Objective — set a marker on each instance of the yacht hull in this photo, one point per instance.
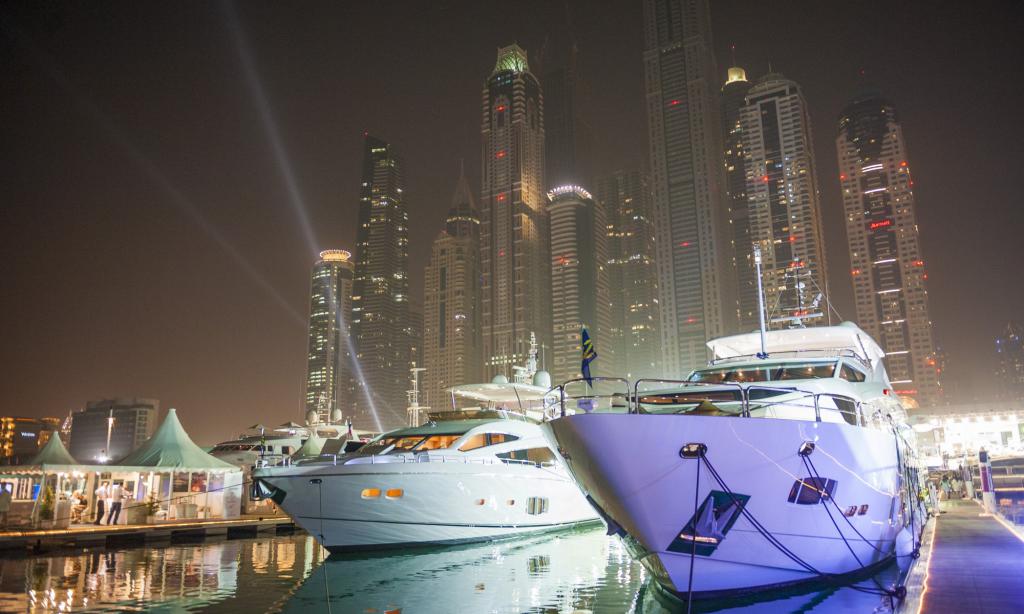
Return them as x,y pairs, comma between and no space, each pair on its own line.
650,493
389,505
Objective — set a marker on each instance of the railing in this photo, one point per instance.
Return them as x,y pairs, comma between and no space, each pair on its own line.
603,395
385,459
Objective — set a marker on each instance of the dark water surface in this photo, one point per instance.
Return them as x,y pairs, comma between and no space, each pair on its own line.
582,571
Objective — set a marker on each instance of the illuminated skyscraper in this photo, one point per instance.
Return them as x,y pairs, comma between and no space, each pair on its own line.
686,180
329,383
1010,368
451,302
632,275
887,267
380,292
734,161
579,283
782,196
514,257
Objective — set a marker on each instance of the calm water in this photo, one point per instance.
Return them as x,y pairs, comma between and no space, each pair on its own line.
582,571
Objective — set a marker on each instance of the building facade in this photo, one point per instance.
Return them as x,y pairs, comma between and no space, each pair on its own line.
684,131
784,211
632,275
21,438
451,302
110,429
329,382
734,163
579,283
380,291
1010,363
887,267
514,256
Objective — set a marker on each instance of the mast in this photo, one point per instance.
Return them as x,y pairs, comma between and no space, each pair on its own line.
414,396
760,300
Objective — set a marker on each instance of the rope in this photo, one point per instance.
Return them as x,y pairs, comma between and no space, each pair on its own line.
693,550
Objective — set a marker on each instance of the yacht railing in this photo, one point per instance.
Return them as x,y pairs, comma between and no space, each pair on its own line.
817,353
733,400
388,459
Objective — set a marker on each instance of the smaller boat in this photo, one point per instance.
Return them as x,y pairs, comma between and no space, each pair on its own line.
481,471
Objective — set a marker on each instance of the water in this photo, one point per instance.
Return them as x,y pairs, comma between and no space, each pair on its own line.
581,571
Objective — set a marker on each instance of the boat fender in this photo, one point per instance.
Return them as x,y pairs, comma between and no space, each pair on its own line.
905,548
806,448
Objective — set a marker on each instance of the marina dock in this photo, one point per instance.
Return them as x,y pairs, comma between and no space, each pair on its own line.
971,562
127,535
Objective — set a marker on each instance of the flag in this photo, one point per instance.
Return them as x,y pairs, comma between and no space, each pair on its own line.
588,355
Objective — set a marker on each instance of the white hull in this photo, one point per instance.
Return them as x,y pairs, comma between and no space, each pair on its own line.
630,465
440,503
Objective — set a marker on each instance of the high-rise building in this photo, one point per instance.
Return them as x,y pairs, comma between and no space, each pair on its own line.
887,267
566,150
514,257
329,382
380,290
579,283
451,302
686,180
632,275
734,161
110,429
1010,366
783,200
21,438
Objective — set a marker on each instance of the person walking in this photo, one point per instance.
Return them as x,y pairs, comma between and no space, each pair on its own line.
101,502
116,497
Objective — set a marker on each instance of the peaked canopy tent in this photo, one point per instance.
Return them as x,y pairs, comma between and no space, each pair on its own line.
178,479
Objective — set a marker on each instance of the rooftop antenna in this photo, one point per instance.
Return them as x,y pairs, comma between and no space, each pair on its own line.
732,51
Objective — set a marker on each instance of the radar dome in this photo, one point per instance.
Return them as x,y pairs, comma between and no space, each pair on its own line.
499,379
542,379
312,417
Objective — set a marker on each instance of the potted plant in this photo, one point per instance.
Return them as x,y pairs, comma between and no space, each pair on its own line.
152,507
46,505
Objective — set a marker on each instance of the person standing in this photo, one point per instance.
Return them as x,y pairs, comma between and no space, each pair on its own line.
101,502
5,503
116,497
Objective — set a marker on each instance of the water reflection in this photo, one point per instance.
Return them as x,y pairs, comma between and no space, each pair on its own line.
582,571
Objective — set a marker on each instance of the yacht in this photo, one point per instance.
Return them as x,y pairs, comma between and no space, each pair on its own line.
787,459
482,471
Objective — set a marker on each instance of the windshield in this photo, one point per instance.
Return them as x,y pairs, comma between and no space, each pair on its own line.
765,373
409,443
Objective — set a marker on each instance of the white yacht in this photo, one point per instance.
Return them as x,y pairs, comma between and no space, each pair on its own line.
786,459
479,472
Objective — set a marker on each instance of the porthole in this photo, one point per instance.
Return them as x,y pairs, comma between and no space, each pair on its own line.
370,493
511,501
394,493
481,501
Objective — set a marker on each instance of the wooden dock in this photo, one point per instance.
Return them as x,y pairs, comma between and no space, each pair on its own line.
971,562
127,535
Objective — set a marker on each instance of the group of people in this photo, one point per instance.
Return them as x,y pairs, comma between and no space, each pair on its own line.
944,487
109,499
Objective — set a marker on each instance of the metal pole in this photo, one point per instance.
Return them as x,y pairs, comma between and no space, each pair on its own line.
760,299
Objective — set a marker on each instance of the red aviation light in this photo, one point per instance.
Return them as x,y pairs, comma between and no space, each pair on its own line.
880,224
792,239
500,108
684,244
903,164
501,253
501,197
855,272
673,103
765,179
500,154
691,320
919,263
842,177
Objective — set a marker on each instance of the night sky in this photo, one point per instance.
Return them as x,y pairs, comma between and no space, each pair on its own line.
153,188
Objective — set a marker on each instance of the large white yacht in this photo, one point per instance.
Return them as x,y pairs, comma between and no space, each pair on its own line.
786,459
481,471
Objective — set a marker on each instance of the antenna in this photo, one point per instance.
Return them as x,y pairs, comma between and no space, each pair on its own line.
414,395
760,300
732,51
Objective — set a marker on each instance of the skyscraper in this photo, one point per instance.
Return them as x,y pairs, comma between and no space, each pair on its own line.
108,430
686,180
887,267
782,196
380,290
329,383
566,152
734,161
632,275
579,282
514,258
1010,363
451,301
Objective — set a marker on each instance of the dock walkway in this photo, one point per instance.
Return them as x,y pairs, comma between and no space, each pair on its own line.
976,564
125,535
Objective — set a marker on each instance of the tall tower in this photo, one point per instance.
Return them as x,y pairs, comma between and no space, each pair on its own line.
380,294
514,257
734,161
451,302
782,194
579,282
329,383
887,267
1010,363
686,180
632,275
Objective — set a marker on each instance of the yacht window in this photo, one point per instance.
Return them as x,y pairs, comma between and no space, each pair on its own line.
850,374
481,440
532,455
437,442
765,373
536,505
401,444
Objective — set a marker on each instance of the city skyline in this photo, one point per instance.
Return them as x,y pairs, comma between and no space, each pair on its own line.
206,325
